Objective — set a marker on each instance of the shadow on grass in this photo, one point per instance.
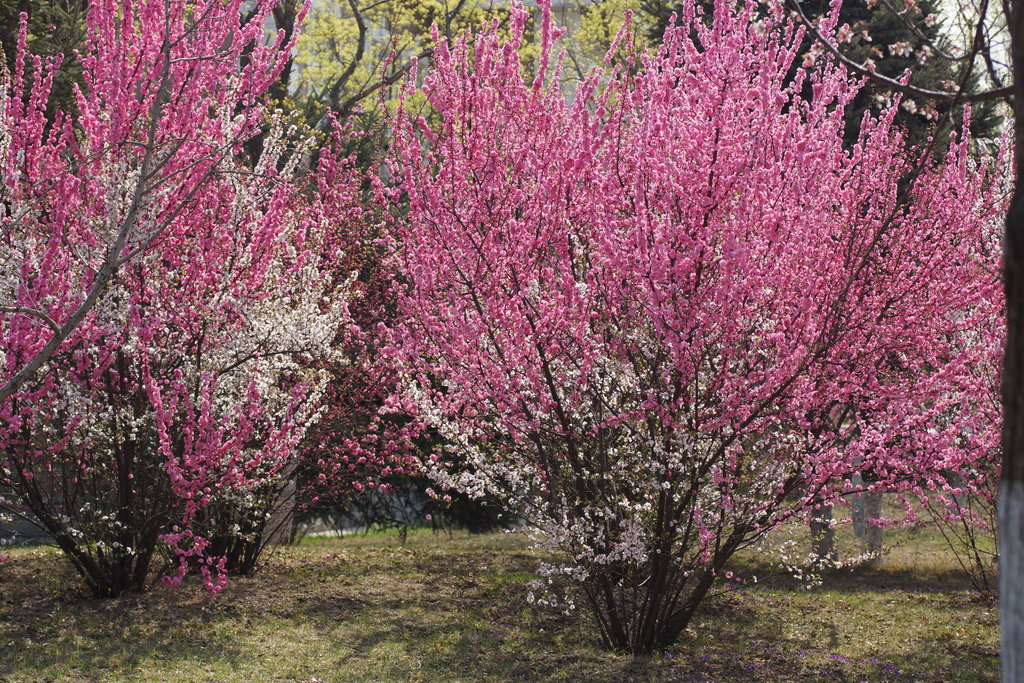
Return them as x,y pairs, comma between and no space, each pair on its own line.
381,613
75,636
864,578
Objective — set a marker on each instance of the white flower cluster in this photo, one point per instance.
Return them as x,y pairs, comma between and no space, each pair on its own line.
603,508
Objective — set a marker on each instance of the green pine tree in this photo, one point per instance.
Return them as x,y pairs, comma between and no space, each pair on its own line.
54,27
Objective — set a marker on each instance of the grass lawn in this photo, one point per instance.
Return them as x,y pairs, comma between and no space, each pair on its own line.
445,608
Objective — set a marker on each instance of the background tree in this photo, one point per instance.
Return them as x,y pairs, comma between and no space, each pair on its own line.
348,56
55,27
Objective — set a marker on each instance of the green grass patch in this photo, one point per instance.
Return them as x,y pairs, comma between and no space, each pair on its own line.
453,608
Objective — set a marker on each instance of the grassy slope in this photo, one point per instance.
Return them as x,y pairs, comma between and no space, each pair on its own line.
454,609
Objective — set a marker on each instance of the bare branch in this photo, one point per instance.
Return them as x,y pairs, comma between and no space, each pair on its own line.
990,64
335,92
34,313
901,15
998,93
346,107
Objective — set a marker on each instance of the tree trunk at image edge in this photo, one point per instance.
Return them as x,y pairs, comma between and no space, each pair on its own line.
1011,488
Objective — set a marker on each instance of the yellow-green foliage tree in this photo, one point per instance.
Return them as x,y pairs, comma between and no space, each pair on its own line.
348,53
592,26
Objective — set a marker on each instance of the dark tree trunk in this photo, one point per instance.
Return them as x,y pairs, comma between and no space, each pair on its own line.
1011,488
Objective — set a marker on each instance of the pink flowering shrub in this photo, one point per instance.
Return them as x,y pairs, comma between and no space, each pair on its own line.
664,313
960,494
188,384
364,441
